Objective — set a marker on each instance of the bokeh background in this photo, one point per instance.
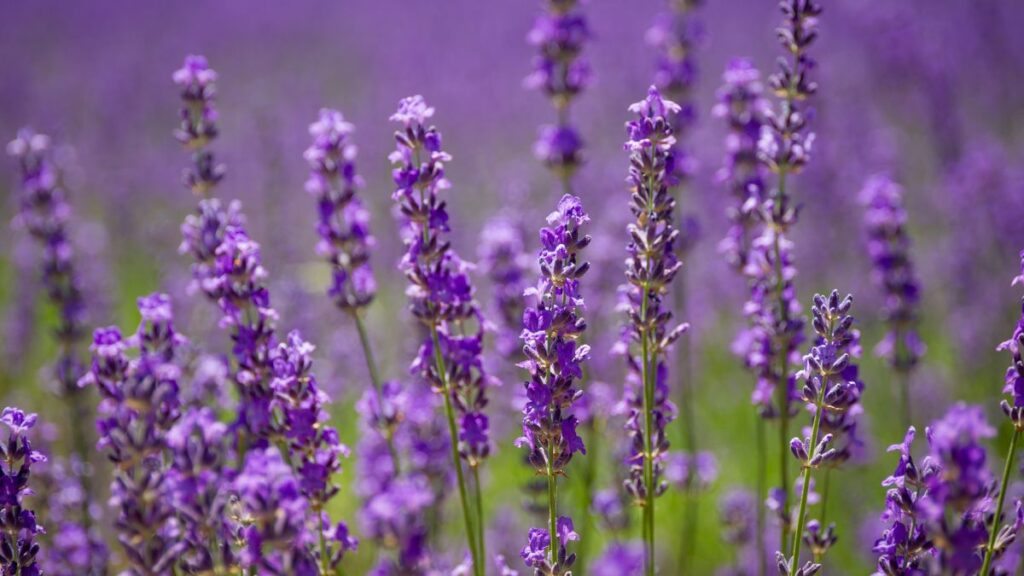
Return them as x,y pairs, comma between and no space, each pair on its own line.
926,91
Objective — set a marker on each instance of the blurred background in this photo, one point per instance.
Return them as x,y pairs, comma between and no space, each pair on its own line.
924,91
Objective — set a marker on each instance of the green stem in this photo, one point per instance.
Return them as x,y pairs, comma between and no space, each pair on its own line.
553,512
482,542
324,552
371,367
453,433
762,494
648,463
994,529
802,514
586,495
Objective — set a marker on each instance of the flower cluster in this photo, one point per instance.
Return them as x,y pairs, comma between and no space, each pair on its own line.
742,105
503,258
905,546
396,501
18,527
198,123
832,393
536,553
269,513
140,404
650,268
885,221
342,222
440,293
561,73
1015,372
552,329
44,212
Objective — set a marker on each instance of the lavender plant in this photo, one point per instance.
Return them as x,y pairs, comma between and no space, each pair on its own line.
1000,540
18,527
784,148
140,404
561,73
829,393
905,546
552,328
441,298
45,214
650,268
888,244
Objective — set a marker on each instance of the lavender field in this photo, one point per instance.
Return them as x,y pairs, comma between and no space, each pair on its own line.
496,288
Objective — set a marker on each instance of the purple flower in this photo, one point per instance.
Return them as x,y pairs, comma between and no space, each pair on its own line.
140,404
885,221
198,123
742,105
537,553
1015,372
18,527
650,268
269,516
561,73
342,222
198,445
905,544
552,328
503,258
440,292
620,559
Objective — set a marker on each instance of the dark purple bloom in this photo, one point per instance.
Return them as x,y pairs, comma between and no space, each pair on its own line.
198,123
140,405
905,546
342,222
440,292
537,554
1015,372
650,269
885,221
269,516
18,527
561,73
742,105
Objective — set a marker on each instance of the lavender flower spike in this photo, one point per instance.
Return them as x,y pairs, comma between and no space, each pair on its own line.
552,328
650,268
140,405
1000,540
561,73
44,212
198,124
827,390
885,221
343,223
18,528
441,298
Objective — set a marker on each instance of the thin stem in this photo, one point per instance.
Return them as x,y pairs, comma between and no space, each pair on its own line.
648,514
994,529
762,494
324,556
553,512
371,367
453,433
482,542
586,495
802,514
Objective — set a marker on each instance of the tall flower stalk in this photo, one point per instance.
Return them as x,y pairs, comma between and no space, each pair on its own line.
998,540
140,405
677,34
441,297
18,527
742,105
45,214
829,394
784,148
560,72
552,329
650,268
885,221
